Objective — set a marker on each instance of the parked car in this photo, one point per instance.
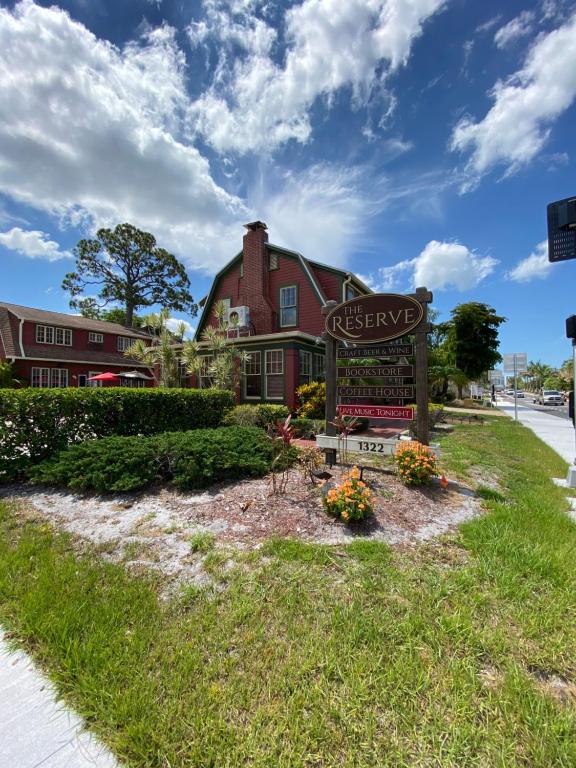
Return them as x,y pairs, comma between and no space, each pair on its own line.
549,397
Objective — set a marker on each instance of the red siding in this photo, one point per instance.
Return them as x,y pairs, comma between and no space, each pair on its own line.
331,284
79,339
290,272
229,287
22,369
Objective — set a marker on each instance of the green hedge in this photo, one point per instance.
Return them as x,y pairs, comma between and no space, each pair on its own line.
260,415
35,423
187,460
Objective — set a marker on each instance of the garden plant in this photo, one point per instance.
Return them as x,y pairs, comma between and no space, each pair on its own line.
415,462
350,500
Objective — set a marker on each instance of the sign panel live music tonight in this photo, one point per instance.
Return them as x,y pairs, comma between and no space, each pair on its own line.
377,412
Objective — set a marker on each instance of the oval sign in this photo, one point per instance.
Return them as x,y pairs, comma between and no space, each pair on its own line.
376,317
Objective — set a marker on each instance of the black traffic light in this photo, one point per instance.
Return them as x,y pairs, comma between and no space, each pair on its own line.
571,327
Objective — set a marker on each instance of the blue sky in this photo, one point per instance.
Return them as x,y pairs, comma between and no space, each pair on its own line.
411,141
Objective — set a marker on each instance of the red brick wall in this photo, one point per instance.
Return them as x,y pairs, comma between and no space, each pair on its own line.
254,287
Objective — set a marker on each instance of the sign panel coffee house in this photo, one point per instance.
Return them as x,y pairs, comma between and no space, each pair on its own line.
377,361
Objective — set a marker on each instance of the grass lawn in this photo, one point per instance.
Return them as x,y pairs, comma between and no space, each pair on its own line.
456,653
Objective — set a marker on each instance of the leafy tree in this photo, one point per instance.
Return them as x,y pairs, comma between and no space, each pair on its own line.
7,380
219,361
131,270
90,309
566,373
472,338
554,382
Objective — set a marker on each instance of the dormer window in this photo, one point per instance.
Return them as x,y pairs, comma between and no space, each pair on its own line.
48,334
124,342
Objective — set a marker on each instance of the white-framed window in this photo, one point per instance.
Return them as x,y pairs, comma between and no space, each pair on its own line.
288,306
274,374
40,378
59,377
272,261
305,366
204,378
124,342
253,376
94,383
350,292
96,338
48,334
319,372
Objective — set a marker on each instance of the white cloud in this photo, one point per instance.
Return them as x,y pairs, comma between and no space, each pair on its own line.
517,126
257,104
533,267
520,26
33,243
89,133
451,265
440,266
320,212
174,323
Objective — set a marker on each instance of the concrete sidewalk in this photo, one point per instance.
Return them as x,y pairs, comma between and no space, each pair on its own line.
556,432
35,730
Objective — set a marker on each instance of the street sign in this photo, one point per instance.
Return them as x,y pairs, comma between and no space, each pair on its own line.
371,371
377,411
382,350
374,318
515,362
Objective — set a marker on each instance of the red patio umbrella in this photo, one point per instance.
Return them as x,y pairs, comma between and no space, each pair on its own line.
104,377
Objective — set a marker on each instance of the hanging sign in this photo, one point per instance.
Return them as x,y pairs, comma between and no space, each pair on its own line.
377,411
370,371
387,391
384,350
376,317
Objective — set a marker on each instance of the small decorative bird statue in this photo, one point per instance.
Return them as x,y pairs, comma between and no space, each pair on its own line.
443,482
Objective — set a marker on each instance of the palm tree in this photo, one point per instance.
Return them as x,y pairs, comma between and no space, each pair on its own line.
162,352
538,372
219,361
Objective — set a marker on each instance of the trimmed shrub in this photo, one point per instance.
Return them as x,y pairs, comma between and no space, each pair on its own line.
188,460
303,428
312,399
35,423
260,415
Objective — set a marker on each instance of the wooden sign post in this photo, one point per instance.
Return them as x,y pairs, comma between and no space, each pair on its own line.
372,327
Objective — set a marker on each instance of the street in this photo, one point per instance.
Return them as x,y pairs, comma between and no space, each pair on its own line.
528,401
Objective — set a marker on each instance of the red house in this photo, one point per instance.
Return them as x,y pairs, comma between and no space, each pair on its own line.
275,297
52,349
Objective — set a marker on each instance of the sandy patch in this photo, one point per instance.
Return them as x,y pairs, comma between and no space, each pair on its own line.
155,528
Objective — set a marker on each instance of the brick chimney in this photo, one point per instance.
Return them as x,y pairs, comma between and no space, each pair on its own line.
254,285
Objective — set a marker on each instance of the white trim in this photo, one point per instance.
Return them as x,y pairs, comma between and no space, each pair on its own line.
20,337
290,306
282,374
99,340
245,377
83,362
266,337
